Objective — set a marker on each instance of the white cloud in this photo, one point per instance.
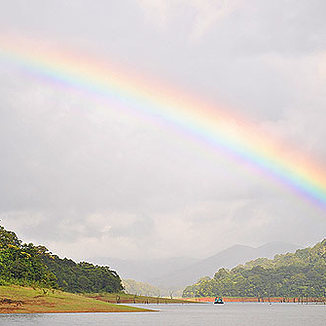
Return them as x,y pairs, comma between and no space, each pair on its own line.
204,13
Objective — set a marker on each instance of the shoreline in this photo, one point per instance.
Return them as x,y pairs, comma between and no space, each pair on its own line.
74,312
262,299
117,298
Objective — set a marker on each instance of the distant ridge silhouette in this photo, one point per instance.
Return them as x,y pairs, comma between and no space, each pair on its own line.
228,258
176,273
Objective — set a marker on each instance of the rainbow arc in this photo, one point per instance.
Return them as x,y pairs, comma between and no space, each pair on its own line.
236,136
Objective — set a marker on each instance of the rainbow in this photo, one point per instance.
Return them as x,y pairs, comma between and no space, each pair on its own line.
215,126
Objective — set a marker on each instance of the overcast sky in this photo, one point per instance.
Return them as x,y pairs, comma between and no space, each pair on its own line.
89,180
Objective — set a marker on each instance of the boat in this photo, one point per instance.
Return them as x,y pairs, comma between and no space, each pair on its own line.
218,301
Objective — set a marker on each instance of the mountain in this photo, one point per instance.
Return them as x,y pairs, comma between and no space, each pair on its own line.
228,258
145,270
176,273
299,274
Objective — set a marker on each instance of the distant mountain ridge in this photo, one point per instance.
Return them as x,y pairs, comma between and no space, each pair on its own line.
228,258
176,273
144,270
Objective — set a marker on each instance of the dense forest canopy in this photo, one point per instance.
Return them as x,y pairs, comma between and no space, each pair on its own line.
82,277
298,274
27,264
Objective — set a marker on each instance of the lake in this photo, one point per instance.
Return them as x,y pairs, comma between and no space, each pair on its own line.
230,314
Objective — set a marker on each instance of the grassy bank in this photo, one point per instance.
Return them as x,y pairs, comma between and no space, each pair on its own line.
131,298
16,299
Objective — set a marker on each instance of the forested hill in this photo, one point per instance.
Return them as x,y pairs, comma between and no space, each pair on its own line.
298,274
27,264
142,288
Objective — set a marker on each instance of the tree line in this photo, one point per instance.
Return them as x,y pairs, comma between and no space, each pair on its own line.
27,264
299,274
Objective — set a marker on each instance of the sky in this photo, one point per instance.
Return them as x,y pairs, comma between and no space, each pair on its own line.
88,179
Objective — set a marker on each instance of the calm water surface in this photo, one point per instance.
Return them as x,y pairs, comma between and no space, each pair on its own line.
231,314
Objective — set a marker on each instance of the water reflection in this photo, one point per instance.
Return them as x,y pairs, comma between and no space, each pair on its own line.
231,314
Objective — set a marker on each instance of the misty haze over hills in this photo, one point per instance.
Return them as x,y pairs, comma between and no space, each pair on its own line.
176,273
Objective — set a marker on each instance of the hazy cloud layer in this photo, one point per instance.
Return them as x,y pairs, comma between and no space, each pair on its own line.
89,180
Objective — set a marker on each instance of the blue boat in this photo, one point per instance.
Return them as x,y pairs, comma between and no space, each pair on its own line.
218,301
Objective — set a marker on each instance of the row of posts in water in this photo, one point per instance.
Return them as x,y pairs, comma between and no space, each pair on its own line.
299,300
302,300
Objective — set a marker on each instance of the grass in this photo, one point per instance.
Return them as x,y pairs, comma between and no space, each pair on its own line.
131,298
17,299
